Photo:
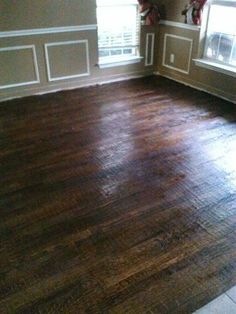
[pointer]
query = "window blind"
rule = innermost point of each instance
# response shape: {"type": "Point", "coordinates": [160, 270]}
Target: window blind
{"type": "Point", "coordinates": [221, 32]}
{"type": "Point", "coordinates": [118, 28]}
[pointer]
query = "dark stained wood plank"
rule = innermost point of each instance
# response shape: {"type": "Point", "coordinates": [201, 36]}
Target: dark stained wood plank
{"type": "Point", "coordinates": [117, 199]}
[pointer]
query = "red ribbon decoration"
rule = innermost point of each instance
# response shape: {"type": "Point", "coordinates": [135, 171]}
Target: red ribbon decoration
{"type": "Point", "coordinates": [193, 11]}
{"type": "Point", "coordinates": [150, 14]}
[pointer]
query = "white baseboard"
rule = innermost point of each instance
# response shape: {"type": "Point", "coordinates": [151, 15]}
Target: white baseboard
{"type": "Point", "coordinates": [204, 88]}
{"type": "Point", "coordinates": [92, 82]}
{"type": "Point", "coordinates": [112, 79]}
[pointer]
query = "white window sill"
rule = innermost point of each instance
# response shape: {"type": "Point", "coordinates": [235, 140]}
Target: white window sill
{"type": "Point", "coordinates": [118, 62]}
{"type": "Point", "coordinates": [228, 70]}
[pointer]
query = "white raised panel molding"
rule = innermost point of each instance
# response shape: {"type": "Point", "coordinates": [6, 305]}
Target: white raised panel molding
{"type": "Point", "coordinates": [149, 36]}
{"type": "Point", "coordinates": [36, 68]}
{"type": "Point", "coordinates": [50, 30]}
{"type": "Point", "coordinates": [190, 53]}
{"type": "Point", "coordinates": [50, 78]}
{"type": "Point", "coordinates": [180, 25]}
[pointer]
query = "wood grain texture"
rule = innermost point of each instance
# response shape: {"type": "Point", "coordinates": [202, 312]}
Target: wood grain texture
{"type": "Point", "coordinates": [117, 199]}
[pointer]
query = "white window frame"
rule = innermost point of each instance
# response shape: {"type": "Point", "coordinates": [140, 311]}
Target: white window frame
{"type": "Point", "coordinates": [119, 60]}
{"type": "Point", "coordinates": [209, 63]}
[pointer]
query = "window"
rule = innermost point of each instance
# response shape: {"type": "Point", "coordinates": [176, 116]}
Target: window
{"type": "Point", "coordinates": [220, 44]}
{"type": "Point", "coordinates": [118, 30]}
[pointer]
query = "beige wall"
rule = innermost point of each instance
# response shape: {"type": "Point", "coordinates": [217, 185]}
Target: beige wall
{"type": "Point", "coordinates": [171, 9]}
{"type": "Point", "coordinates": [39, 63]}
{"type": "Point", "coordinates": [174, 9]}
{"type": "Point", "coordinates": [177, 40]}
{"type": "Point", "coordinates": [27, 14]}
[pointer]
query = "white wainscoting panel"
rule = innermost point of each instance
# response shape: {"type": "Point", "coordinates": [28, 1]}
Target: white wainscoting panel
{"type": "Point", "coordinates": [36, 68]}
{"type": "Point", "coordinates": [49, 60]}
{"type": "Point", "coordinates": [189, 54]}
{"type": "Point", "coordinates": [149, 53]}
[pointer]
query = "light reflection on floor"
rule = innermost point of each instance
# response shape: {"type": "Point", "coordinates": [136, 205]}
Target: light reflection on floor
{"type": "Point", "coordinates": [115, 130]}
{"type": "Point", "coordinates": [223, 156]}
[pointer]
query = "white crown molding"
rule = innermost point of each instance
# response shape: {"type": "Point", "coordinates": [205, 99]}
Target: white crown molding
{"type": "Point", "coordinates": [180, 25]}
{"type": "Point", "coordinates": [50, 30]}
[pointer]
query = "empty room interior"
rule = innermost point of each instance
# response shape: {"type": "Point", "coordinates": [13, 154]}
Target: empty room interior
{"type": "Point", "coordinates": [118, 156]}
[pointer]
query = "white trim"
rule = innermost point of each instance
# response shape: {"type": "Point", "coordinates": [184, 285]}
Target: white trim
{"type": "Point", "coordinates": [49, 30]}
{"type": "Point", "coordinates": [202, 89]}
{"type": "Point", "coordinates": [152, 35]}
{"type": "Point", "coordinates": [36, 68]}
{"type": "Point", "coordinates": [119, 62]}
{"type": "Point", "coordinates": [230, 3]}
{"type": "Point", "coordinates": [106, 3]}
{"type": "Point", "coordinates": [190, 53]}
{"type": "Point", "coordinates": [62, 43]}
{"type": "Point", "coordinates": [228, 70]}
{"type": "Point", "coordinates": [180, 25]}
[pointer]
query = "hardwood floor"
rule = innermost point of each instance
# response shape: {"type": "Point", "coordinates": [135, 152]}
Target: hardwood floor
{"type": "Point", "coordinates": [117, 199]}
